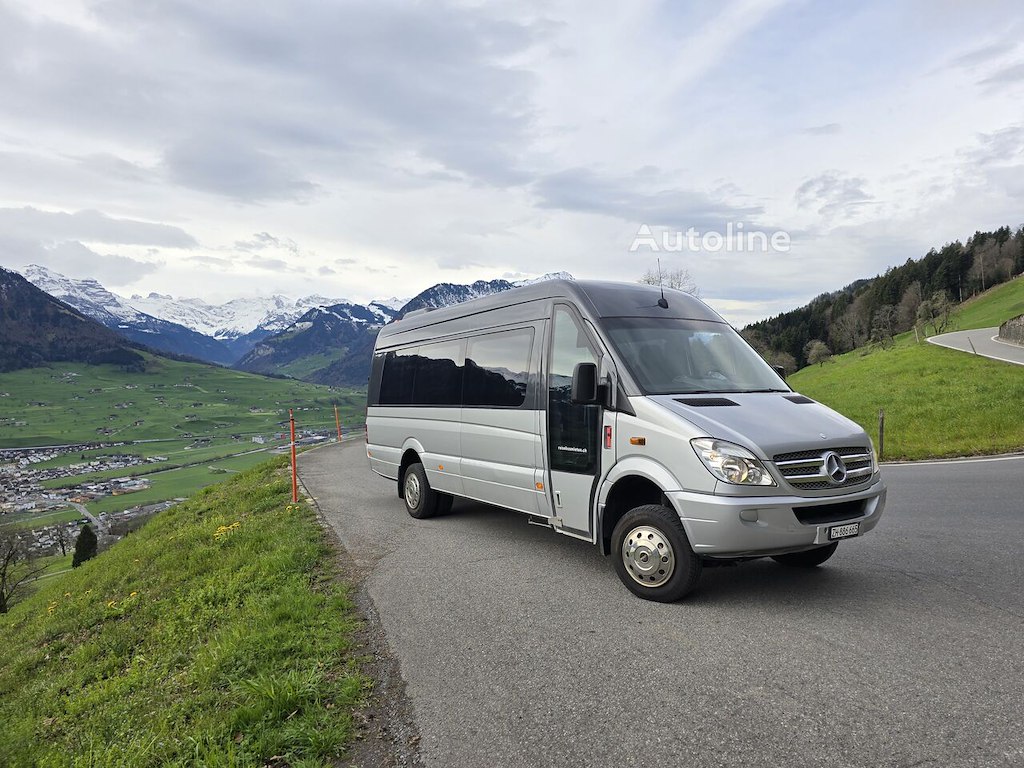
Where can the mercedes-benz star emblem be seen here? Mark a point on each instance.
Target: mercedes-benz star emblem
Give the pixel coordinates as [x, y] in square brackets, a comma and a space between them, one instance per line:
[835, 469]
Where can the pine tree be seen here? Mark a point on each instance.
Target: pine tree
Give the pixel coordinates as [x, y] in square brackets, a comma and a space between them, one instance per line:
[85, 546]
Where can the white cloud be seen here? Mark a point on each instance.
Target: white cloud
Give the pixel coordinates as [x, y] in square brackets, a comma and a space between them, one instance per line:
[308, 147]
[90, 226]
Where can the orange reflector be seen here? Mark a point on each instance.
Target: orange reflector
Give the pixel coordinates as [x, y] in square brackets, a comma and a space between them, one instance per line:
[607, 437]
[638, 441]
[540, 486]
[441, 467]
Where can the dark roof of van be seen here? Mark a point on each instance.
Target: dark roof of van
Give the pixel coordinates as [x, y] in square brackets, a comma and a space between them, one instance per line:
[599, 298]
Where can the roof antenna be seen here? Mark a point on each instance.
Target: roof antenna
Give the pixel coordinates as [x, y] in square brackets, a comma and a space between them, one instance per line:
[662, 302]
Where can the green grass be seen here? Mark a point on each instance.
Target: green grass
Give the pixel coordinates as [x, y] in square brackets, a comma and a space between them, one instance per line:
[216, 635]
[305, 366]
[177, 483]
[994, 307]
[169, 399]
[207, 455]
[54, 564]
[938, 402]
[24, 521]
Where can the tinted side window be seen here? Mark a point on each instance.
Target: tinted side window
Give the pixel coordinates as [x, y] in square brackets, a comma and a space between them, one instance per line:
[498, 369]
[572, 428]
[438, 379]
[398, 378]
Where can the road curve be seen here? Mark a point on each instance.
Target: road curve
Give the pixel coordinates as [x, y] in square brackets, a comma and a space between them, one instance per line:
[981, 341]
[521, 648]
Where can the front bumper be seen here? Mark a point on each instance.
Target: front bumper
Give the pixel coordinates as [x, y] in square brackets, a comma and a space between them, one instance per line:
[735, 526]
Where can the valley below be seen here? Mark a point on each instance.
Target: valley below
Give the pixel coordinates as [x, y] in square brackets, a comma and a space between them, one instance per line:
[82, 443]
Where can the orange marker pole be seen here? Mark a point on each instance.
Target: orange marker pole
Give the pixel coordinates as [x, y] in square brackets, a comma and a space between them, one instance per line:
[337, 422]
[295, 469]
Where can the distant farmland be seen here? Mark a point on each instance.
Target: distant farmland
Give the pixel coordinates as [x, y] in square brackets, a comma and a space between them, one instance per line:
[71, 403]
[200, 424]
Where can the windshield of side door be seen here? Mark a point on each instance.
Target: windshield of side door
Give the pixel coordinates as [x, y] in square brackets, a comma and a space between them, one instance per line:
[670, 356]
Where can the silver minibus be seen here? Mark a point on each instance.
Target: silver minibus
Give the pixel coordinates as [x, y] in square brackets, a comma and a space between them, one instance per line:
[626, 415]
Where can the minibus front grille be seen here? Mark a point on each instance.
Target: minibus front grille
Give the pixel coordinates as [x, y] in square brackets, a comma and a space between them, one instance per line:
[805, 470]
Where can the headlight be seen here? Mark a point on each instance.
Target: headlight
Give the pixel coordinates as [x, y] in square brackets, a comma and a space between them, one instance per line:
[874, 456]
[731, 463]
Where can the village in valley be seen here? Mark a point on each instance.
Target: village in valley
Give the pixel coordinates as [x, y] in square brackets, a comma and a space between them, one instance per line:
[24, 500]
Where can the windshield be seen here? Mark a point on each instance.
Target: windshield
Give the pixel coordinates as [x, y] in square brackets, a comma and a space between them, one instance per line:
[671, 356]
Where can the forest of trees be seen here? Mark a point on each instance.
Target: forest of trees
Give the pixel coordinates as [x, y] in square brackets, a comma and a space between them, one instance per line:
[922, 293]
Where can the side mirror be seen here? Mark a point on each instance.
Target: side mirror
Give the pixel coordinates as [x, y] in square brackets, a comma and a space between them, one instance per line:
[584, 384]
[780, 370]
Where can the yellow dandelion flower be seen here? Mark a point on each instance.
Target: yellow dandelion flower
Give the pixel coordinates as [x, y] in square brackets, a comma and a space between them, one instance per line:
[111, 603]
[133, 594]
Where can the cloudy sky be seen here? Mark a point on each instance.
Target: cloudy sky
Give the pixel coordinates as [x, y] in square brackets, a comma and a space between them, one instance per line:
[218, 148]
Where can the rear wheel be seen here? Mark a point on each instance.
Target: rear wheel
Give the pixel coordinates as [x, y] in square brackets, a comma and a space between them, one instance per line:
[653, 557]
[421, 501]
[809, 558]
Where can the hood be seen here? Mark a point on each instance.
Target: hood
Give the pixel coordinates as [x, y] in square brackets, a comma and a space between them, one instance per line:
[768, 423]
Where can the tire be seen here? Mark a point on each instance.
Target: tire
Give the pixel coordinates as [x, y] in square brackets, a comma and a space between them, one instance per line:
[644, 531]
[809, 558]
[444, 503]
[421, 501]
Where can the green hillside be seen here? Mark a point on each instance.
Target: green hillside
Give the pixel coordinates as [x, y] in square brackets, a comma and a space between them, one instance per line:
[216, 635]
[938, 402]
[994, 307]
[74, 402]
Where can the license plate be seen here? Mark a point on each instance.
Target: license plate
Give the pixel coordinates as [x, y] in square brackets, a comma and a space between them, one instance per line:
[843, 531]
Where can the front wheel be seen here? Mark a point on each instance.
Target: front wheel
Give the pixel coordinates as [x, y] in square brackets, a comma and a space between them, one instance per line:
[653, 557]
[809, 558]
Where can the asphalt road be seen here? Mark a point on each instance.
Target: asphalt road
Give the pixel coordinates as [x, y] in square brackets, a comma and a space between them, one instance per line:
[520, 647]
[981, 342]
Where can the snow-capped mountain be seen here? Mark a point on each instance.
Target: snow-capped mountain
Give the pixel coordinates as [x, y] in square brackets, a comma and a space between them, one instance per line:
[87, 296]
[542, 278]
[319, 338]
[447, 294]
[232, 319]
[218, 333]
[393, 303]
[93, 300]
[37, 328]
[333, 345]
[314, 337]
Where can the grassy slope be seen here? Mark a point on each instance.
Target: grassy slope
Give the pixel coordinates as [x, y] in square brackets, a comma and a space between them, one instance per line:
[214, 636]
[993, 307]
[224, 399]
[938, 402]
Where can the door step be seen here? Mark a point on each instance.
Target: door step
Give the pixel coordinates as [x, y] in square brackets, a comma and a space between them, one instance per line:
[544, 522]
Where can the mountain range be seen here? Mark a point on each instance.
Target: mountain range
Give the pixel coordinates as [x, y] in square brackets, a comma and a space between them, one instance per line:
[216, 333]
[36, 328]
[314, 338]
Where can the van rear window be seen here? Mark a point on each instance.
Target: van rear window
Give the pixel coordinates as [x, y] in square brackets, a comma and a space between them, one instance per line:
[495, 373]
